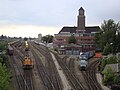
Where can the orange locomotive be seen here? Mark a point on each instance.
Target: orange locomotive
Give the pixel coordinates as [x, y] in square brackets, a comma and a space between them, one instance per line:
[27, 63]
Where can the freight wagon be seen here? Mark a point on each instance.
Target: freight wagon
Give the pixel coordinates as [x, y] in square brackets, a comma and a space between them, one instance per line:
[10, 50]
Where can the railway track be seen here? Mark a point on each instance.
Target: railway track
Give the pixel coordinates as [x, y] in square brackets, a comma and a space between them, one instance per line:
[71, 65]
[76, 84]
[21, 83]
[51, 68]
[23, 79]
[90, 76]
[47, 72]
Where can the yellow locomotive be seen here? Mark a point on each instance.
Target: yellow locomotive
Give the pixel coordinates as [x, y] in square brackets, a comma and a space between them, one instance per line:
[26, 46]
[27, 63]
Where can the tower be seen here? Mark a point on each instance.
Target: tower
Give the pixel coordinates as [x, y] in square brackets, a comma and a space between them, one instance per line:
[81, 20]
[39, 37]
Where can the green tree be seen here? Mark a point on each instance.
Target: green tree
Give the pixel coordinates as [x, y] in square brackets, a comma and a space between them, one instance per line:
[107, 49]
[25, 38]
[4, 78]
[108, 35]
[3, 59]
[3, 45]
[117, 79]
[47, 38]
[103, 63]
[109, 76]
[72, 39]
[112, 59]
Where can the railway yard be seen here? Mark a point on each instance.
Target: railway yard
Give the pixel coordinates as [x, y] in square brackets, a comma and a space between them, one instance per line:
[35, 67]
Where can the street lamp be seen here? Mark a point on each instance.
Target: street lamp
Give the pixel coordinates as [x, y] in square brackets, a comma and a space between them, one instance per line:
[111, 44]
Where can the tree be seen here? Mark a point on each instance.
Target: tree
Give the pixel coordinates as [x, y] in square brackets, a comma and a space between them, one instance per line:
[72, 39]
[3, 45]
[109, 76]
[112, 59]
[4, 78]
[117, 79]
[107, 49]
[25, 38]
[47, 38]
[108, 35]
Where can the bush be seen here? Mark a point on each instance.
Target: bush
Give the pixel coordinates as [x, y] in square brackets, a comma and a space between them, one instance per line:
[112, 60]
[102, 65]
[3, 45]
[3, 59]
[109, 76]
[117, 79]
[4, 78]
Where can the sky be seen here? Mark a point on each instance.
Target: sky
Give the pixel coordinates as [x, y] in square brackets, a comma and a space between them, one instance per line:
[28, 18]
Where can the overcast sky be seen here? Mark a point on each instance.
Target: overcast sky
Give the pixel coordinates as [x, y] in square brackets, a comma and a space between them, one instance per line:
[30, 17]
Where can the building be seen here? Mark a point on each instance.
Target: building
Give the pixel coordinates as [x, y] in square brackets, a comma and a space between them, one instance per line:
[39, 37]
[84, 34]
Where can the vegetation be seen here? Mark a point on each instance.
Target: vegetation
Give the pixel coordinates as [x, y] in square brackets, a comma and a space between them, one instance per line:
[2, 37]
[47, 38]
[4, 78]
[111, 77]
[25, 39]
[110, 60]
[3, 45]
[108, 39]
[4, 73]
[107, 49]
[72, 39]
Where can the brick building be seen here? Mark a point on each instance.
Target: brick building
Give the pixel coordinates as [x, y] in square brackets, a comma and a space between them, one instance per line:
[84, 35]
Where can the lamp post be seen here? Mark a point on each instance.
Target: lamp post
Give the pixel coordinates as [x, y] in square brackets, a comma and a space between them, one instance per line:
[111, 44]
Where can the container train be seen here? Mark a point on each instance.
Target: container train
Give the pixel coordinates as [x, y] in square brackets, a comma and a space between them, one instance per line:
[83, 59]
[10, 50]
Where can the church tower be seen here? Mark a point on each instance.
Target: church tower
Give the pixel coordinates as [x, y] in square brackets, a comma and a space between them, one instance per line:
[81, 21]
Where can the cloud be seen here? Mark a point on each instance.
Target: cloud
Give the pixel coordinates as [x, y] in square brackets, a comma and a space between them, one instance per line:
[27, 30]
[55, 13]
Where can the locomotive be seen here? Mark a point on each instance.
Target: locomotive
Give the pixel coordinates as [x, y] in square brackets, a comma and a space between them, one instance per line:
[26, 46]
[83, 59]
[82, 64]
[27, 62]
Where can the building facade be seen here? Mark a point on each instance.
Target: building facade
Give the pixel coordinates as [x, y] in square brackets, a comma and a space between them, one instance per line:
[84, 35]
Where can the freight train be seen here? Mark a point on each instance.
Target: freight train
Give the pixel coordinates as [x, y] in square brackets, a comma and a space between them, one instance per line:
[83, 59]
[27, 62]
[10, 50]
